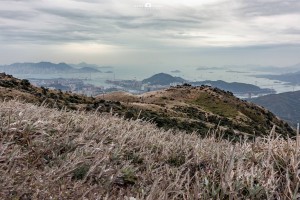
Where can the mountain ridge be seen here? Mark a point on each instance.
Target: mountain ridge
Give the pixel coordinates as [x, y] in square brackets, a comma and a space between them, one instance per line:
[44, 68]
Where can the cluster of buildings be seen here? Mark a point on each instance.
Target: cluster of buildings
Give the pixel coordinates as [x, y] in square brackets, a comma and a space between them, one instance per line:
[80, 87]
[137, 87]
[72, 85]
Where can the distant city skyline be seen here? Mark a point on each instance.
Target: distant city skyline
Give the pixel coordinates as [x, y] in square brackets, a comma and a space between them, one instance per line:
[151, 33]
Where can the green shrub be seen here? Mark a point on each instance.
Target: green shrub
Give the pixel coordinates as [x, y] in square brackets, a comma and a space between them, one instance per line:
[80, 172]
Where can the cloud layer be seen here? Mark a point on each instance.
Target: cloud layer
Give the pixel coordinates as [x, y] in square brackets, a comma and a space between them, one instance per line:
[134, 25]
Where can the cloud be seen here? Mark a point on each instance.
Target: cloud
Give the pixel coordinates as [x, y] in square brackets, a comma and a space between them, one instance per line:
[166, 26]
[220, 23]
[20, 15]
[269, 7]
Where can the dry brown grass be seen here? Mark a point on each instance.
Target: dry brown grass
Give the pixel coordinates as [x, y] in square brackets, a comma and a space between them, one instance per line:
[52, 154]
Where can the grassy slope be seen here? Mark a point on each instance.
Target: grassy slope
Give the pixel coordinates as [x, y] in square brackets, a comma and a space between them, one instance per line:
[75, 155]
[216, 106]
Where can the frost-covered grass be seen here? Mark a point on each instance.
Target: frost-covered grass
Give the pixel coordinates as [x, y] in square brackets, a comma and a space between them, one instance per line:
[52, 154]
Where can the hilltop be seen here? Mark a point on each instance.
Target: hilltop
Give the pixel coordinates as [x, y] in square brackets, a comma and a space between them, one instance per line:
[285, 105]
[187, 108]
[200, 109]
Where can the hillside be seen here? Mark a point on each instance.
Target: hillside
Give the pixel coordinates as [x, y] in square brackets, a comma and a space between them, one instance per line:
[163, 79]
[44, 68]
[285, 105]
[199, 109]
[51, 154]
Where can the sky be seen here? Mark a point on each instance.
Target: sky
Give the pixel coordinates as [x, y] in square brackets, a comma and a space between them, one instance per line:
[153, 33]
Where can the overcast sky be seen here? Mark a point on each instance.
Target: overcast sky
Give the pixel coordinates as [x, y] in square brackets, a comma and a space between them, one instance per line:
[151, 33]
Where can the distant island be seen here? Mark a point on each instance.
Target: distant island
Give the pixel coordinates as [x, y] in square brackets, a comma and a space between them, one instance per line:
[277, 69]
[209, 68]
[84, 65]
[45, 68]
[163, 79]
[238, 72]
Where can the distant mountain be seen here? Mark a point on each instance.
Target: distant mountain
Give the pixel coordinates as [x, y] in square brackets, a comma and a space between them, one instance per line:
[267, 69]
[276, 69]
[235, 87]
[209, 68]
[83, 65]
[293, 68]
[292, 78]
[163, 79]
[86, 65]
[44, 68]
[88, 70]
[176, 71]
[285, 105]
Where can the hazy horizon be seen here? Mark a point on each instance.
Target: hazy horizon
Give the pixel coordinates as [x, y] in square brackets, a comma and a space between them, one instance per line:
[151, 33]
